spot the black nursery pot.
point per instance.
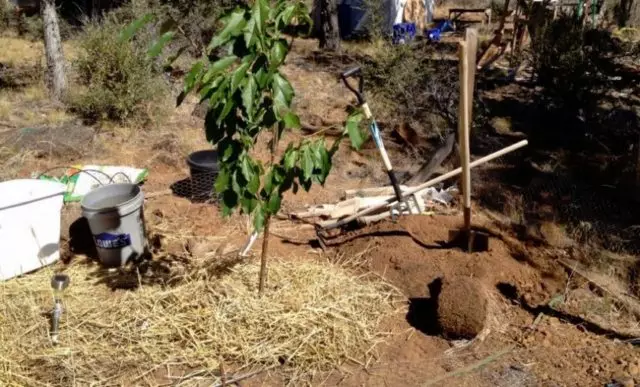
(203, 166)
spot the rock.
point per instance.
(502, 126)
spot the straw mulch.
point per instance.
(314, 317)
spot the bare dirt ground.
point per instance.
(527, 340)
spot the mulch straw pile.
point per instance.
(314, 317)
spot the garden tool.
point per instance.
(356, 72)
(59, 283)
(399, 204)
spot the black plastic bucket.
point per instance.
(203, 166)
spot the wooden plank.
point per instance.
(417, 190)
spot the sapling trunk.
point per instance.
(263, 257)
(267, 221)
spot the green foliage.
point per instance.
(118, 80)
(247, 94)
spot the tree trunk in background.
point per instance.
(329, 30)
(56, 77)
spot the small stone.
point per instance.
(633, 369)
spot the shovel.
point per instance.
(356, 72)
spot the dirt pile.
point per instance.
(462, 308)
(412, 253)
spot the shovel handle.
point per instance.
(358, 90)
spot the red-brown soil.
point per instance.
(462, 308)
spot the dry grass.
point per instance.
(314, 316)
(19, 51)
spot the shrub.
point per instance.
(195, 21)
(5, 15)
(559, 57)
(118, 81)
(407, 85)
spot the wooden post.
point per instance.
(471, 39)
(467, 66)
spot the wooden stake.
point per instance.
(467, 66)
(463, 133)
(471, 39)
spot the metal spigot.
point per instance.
(59, 283)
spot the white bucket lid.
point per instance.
(14, 193)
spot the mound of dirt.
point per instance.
(412, 253)
(462, 308)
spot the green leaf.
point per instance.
(229, 202)
(268, 181)
(262, 77)
(238, 75)
(352, 128)
(213, 131)
(307, 163)
(217, 67)
(278, 175)
(192, 77)
(158, 46)
(250, 33)
(274, 202)
(248, 204)
(258, 218)
(247, 168)
(233, 27)
(135, 26)
(207, 90)
(254, 184)
(228, 107)
(248, 95)
(278, 53)
(282, 92)
(284, 18)
(236, 184)
(290, 159)
(259, 14)
(325, 162)
(220, 96)
(291, 121)
(222, 181)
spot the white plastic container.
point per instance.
(29, 225)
